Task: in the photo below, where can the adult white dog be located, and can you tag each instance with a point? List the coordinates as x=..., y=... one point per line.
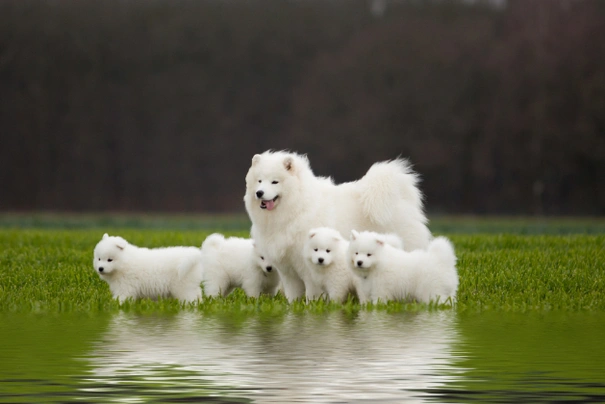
x=135, y=272
x=389, y=273
x=284, y=200
x=234, y=262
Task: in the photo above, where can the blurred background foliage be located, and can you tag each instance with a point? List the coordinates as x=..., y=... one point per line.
x=159, y=105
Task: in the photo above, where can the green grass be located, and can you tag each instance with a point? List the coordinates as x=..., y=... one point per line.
x=50, y=270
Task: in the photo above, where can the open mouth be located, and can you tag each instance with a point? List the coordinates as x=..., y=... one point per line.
x=269, y=205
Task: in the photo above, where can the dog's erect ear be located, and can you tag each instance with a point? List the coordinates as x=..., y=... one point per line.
x=255, y=159
x=289, y=164
x=312, y=234
x=354, y=235
x=380, y=241
x=105, y=236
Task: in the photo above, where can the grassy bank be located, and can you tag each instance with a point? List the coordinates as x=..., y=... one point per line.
x=50, y=269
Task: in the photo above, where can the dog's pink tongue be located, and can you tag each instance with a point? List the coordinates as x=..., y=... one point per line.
x=270, y=205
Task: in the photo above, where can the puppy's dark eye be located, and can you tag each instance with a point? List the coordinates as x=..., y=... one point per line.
x=328, y=251
x=109, y=260
x=369, y=255
x=259, y=181
x=356, y=253
x=274, y=182
x=315, y=249
x=262, y=258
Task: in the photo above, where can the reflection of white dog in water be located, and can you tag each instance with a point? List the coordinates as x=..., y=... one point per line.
x=326, y=258
x=284, y=200
x=197, y=355
x=388, y=273
x=235, y=262
x=137, y=272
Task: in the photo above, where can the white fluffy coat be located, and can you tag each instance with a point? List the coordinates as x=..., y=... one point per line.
x=234, y=262
x=325, y=254
x=135, y=272
x=388, y=273
x=284, y=200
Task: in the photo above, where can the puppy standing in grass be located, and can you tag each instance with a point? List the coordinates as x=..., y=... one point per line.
x=235, y=262
x=137, y=272
x=325, y=255
x=389, y=273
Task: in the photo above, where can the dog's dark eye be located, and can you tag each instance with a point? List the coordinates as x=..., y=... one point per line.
x=369, y=255
x=262, y=258
x=315, y=249
x=275, y=182
x=109, y=260
x=356, y=253
x=259, y=181
x=328, y=251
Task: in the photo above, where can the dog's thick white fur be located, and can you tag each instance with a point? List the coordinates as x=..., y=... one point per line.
x=325, y=253
x=234, y=262
x=389, y=273
x=284, y=200
x=136, y=272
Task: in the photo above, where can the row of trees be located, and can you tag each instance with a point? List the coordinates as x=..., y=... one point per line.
x=160, y=105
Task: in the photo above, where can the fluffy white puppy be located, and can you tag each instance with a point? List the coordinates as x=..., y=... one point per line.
x=326, y=257
x=137, y=272
x=234, y=262
x=284, y=200
x=388, y=273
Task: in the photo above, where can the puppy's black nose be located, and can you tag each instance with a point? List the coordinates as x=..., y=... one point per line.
x=259, y=194
x=321, y=260
x=269, y=269
x=101, y=269
x=359, y=263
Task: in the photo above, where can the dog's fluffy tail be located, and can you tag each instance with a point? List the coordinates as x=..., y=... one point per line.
x=384, y=185
x=213, y=240
x=443, y=250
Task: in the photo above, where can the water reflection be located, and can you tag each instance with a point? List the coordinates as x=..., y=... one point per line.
x=369, y=356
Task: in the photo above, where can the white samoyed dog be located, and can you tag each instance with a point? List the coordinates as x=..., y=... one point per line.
x=235, y=262
x=326, y=257
x=284, y=200
x=136, y=272
x=389, y=273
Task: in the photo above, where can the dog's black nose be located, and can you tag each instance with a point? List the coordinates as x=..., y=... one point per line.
x=259, y=194
x=321, y=260
x=101, y=269
x=359, y=263
x=269, y=269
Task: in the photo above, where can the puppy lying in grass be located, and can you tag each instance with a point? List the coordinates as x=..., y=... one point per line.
x=235, y=262
x=390, y=273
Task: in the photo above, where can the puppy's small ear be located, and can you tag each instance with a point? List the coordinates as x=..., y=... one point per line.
x=255, y=159
x=354, y=235
x=105, y=236
x=380, y=242
x=311, y=235
x=289, y=164
x=121, y=243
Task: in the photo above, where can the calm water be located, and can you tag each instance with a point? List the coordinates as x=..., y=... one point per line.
x=333, y=358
